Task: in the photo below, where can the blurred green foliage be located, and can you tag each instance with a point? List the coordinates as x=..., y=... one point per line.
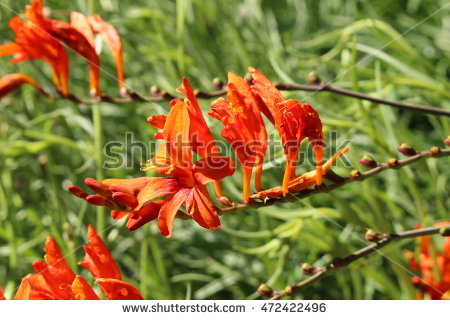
x=394, y=49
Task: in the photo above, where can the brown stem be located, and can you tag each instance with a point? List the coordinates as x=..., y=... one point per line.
x=342, y=262
x=340, y=181
x=321, y=87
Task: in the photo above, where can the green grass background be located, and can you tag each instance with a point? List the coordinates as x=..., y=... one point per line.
x=47, y=145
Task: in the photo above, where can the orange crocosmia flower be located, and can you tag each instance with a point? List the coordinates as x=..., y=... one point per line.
x=299, y=183
x=54, y=280
x=69, y=35
x=184, y=184
x=201, y=138
x=80, y=22
x=12, y=81
x=427, y=267
x=98, y=260
x=243, y=128
x=33, y=42
x=112, y=39
x=294, y=122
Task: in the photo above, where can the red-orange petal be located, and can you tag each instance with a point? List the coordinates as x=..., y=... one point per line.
x=2, y=296
x=117, y=215
x=11, y=82
x=156, y=188
x=114, y=289
x=213, y=168
x=98, y=187
x=97, y=200
x=54, y=257
x=24, y=291
x=157, y=121
x=146, y=214
x=176, y=134
x=82, y=290
x=98, y=259
x=112, y=39
x=199, y=205
x=169, y=210
x=80, y=22
x=77, y=192
x=126, y=199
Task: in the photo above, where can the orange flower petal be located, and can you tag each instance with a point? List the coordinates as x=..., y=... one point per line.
x=12, y=81
x=54, y=258
x=9, y=49
x=146, y=214
x=2, y=296
x=168, y=211
x=98, y=260
x=157, y=121
x=114, y=289
x=125, y=199
x=24, y=291
x=176, y=134
x=157, y=187
x=131, y=186
x=80, y=22
x=112, y=39
x=269, y=94
x=117, y=215
x=82, y=290
x=80, y=45
x=199, y=205
x=201, y=137
x=213, y=168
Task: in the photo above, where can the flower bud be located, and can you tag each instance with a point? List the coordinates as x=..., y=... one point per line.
x=308, y=269
x=155, y=90
x=434, y=151
x=313, y=77
x=289, y=291
x=217, y=83
x=338, y=262
x=392, y=163
x=406, y=149
x=368, y=161
x=373, y=235
x=77, y=192
x=354, y=174
x=265, y=290
x=447, y=141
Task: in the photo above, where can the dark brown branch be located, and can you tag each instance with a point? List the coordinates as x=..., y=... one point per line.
x=355, y=175
x=397, y=104
x=342, y=262
x=320, y=87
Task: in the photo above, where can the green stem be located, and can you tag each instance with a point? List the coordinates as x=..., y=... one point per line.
x=98, y=147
